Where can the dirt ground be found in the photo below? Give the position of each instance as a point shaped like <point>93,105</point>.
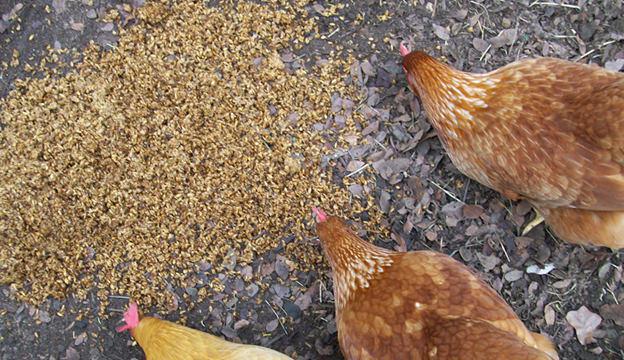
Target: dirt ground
<point>462,218</point>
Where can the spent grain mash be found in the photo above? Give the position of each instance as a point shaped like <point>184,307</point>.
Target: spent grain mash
<point>188,141</point>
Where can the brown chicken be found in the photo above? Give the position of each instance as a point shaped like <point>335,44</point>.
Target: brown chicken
<point>546,130</point>
<point>418,305</point>
<point>164,340</point>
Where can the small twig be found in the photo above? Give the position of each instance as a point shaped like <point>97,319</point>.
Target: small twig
<point>380,144</point>
<point>544,3</point>
<point>117,310</point>
<point>362,168</point>
<point>119,297</point>
<point>485,52</point>
<point>332,33</point>
<point>276,316</point>
<point>435,7</point>
<point>446,191</point>
<point>585,55</point>
<point>466,190</point>
<point>504,250</point>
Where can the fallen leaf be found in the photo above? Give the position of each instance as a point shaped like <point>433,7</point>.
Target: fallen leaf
<point>272,325</point>
<point>76,26</point>
<point>480,44</point>
<point>354,165</point>
<point>613,312</point>
<point>324,350</point>
<point>356,190</point>
<point>549,315</point>
<point>384,201</point>
<point>371,128</point>
<point>472,211</point>
<point>305,300</point>
<point>59,6</point>
<point>513,275</point>
<point>562,284</point>
<point>506,37</point>
<point>240,324</point>
<point>585,323</point>
<point>615,65</point>
<point>535,269</point>
<point>367,68</point>
<point>488,262</point>
<point>107,27</point>
<point>441,32</point>
<point>80,339</point>
<point>71,354</point>
<point>44,316</point>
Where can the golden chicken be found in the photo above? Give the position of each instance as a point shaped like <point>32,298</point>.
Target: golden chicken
<point>546,130</point>
<point>164,340</point>
<point>418,305</point>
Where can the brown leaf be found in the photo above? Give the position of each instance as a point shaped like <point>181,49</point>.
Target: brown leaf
<point>549,315</point>
<point>367,68</point>
<point>272,325</point>
<point>513,275</point>
<point>371,128</point>
<point>80,339</point>
<point>240,324</point>
<point>384,201</point>
<point>488,262</point>
<point>506,37</point>
<point>305,300</point>
<point>354,165</point>
<point>472,211</point>
<point>441,32</point>
<point>613,312</point>
<point>71,354</point>
<point>480,44</point>
<point>615,65</point>
<point>107,27</point>
<point>356,190</point>
<point>585,323</point>
<point>59,6</point>
<point>76,26</point>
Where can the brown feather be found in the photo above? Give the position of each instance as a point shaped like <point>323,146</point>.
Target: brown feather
<point>408,302</point>
<point>546,130</point>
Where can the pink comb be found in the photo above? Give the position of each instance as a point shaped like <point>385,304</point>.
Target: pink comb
<point>131,317</point>
<point>321,216</point>
<point>404,50</point>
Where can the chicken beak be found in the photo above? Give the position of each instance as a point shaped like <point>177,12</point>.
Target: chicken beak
<point>403,50</point>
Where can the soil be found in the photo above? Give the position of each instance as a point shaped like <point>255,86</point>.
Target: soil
<point>463,219</point>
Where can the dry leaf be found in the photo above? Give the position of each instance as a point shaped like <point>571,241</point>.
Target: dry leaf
<point>488,262</point>
<point>615,65</point>
<point>59,6</point>
<point>613,312</point>
<point>76,26</point>
<point>535,269</point>
<point>585,323</point>
<point>354,165</point>
<point>441,32</point>
<point>549,315</point>
<point>506,37</point>
<point>367,68</point>
<point>480,44</point>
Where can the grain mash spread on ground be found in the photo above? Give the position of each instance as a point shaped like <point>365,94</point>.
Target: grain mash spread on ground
<point>187,141</point>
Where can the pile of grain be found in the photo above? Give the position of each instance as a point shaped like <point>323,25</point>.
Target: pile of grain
<point>187,141</point>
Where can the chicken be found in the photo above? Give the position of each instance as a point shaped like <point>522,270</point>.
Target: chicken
<point>546,130</point>
<point>164,340</point>
<point>417,305</point>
